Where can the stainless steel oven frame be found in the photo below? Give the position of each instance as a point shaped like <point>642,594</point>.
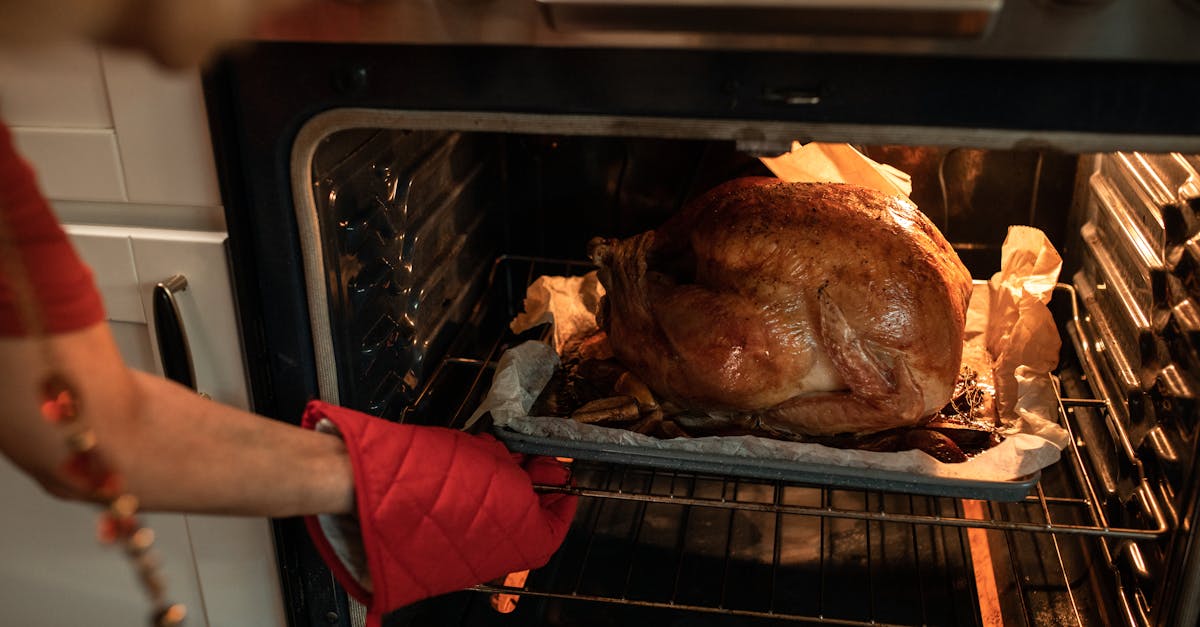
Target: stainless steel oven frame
<point>269,104</point>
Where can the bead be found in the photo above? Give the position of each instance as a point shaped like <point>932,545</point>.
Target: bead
<point>147,564</point>
<point>89,469</point>
<point>109,488</point>
<point>170,617</point>
<point>112,528</point>
<point>59,404</point>
<point>153,583</point>
<point>140,541</point>
<point>118,523</point>
<point>124,506</point>
<point>82,440</point>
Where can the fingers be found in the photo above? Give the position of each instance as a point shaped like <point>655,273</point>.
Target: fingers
<point>494,447</point>
<point>559,509</point>
<point>546,470</point>
<point>183,34</point>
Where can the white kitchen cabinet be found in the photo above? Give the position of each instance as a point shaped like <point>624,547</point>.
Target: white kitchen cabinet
<point>106,126</point>
<point>74,163</point>
<point>129,262</point>
<point>53,572</point>
<point>159,116</point>
<point>60,86</point>
<point>108,252</point>
<point>122,150</point>
<point>206,306</point>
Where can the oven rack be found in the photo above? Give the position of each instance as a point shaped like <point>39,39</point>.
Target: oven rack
<point>607,562</point>
<point>1066,501</point>
<point>779,566</point>
<point>799,568</point>
<point>1039,551</point>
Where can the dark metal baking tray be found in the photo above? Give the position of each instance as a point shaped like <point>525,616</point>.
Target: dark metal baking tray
<point>825,475</point>
<point>772,469</point>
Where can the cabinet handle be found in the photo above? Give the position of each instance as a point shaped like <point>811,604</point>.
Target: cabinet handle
<point>173,346</point>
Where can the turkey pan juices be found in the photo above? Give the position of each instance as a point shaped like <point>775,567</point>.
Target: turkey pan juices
<point>821,323</point>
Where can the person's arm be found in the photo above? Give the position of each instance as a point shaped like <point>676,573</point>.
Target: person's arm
<point>176,450</point>
<point>454,508</point>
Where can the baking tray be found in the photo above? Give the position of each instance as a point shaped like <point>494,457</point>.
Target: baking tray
<point>511,275</point>
<point>771,469</point>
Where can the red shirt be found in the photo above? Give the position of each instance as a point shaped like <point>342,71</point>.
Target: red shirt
<point>65,297</point>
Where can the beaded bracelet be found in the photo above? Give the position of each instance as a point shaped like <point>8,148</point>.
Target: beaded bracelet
<point>86,465</point>
<point>119,522</point>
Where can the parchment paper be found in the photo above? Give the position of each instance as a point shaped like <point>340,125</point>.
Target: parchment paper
<point>1011,340</point>
<point>818,162</point>
<point>1022,339</point>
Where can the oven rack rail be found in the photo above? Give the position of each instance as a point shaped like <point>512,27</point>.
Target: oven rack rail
<point>933,580</point>
<point>904,573</point>
<point>1069,505</point>
<point>514,593</point>
<point>615,542</point>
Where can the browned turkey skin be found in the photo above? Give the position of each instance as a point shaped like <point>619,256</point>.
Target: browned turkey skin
<point>807,308</point>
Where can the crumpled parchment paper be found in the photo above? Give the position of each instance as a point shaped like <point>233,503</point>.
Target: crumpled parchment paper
<point>1022,339</point>
<point>576,300</point>
<point>1011,340</point>
<point>819,162</point>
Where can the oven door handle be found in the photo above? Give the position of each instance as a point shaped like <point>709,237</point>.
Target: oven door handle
<point>173,348</point>
<point>874,18</point>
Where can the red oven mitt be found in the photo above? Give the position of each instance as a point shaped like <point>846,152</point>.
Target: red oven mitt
<point>438,510</point>
<point>38,251</point>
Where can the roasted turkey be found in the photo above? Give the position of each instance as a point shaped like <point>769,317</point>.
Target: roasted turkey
<point>804,308</point>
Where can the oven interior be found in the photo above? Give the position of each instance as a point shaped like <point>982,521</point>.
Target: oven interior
<point>427,239</point>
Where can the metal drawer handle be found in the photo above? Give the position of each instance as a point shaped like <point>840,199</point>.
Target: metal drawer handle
<point>173,346</point>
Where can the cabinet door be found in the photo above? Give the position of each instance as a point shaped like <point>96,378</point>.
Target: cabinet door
<point>235,558</point>
<point>53,571</point>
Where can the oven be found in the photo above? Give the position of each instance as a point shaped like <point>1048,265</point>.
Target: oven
<point>396,173</point>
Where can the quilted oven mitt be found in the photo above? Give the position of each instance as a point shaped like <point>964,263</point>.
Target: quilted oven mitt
<point>438,510</point>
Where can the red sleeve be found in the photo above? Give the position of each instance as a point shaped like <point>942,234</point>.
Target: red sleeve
<point>64,294</point>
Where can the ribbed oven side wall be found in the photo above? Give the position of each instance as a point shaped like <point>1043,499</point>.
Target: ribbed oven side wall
<point>1134,214</point>
<point>407,232</point>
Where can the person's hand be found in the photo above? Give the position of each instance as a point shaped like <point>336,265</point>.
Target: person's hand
<point>177,33</point>
<point>183,34</point>
<point>438,509</point>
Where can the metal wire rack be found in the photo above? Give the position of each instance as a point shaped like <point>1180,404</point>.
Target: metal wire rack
<point>788,551</point>
<point>789,567</point>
